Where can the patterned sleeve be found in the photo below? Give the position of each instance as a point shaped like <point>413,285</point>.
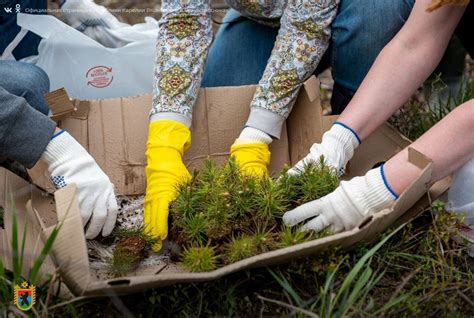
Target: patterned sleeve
<point>302,40</point>
<point>184,36</point>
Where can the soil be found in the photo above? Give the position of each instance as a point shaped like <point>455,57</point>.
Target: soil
<point>101,250</point>
<point>133,247</point>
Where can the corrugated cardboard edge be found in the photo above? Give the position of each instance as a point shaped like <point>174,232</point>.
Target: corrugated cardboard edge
<point>14,195</point>
<point>59,103</point>
<point>69,250</point>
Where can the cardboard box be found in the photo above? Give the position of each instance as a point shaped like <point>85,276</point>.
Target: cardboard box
<point>114,131</point>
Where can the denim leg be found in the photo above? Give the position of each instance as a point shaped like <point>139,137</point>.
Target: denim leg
<point>239,53</point>
<point>25,80</point>
<point>360,31</point>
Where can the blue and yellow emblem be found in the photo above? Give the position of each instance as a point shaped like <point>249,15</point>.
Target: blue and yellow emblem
<point>24,297</point>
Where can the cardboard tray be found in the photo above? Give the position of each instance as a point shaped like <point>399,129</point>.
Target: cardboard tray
<point>118,145</point>
<point>42,214</point>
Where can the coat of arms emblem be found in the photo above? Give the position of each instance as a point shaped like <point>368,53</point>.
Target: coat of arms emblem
<point>24,297</point>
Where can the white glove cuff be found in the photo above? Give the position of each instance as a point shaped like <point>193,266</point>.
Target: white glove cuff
<point>370,193</point>
<point>342,140</point>
<point>250,135</point>
<point>60,149</point>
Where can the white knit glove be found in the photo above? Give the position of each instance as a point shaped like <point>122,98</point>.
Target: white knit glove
<point>337,147</point>
<point>250,135</point>
<point>68,162</point>
<point>93,20</point>
<point>347,206</point>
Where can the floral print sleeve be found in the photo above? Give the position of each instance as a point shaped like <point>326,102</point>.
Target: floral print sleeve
<point>185,34</point>
<point>302,40</point>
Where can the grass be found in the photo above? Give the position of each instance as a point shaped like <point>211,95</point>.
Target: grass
<point>238,216</point>
<point>8,279</point>
<point>421,112</point>
<point>415,270</point>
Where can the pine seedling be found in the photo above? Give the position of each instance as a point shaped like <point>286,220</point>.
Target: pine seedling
<point>199,259</point>
<point>210,173</point>
<point>244,246</point>
<point>134,244</point>
<point>241,197</point>
<point>270,200</point>
<point>315,181</point>
<point>125,259</point>
<point>264,239</point>
<point>135,231</point>
<point>186,201</point>
<point>289,183</point>
<point>218,221</point>
<point>292,235</point>
<point>195,229</point>
<point>219,205</point>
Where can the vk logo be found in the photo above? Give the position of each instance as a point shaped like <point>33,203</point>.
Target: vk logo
<point>8,10</point>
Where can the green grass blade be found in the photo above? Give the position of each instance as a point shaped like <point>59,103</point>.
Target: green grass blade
<point>358,267</point>
<point>287,286</point>
<point>326,299</point>
<point>23,243</point>
<point>4,287</point>
<point>356,291</point>
<point>44,252</point>
<point>15,250</point>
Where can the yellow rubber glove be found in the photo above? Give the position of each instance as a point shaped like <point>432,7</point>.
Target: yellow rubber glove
<point>252,158</point>
<point>167,141</point>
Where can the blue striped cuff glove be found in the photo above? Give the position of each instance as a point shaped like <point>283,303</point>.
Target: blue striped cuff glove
<point>337,147</point>
<point>347,206</point>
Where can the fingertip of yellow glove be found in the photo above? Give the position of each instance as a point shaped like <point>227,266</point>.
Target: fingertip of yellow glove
<point>157,246</point>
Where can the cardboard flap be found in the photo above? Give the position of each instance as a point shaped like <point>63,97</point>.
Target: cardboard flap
<point>311,87</point>
<point>74,266</point>
<point>417,158</point>
<point>59,103</point>
<point>16,193</point>
<point>419,187</point>
<point>304,123</point>
<point>81,110</point>
<point>4,257</point>
<point>39,174</point>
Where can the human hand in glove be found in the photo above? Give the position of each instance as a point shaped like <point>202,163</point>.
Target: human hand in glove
<point>167,142</point>
<point>347,206</point>
<point>92,20</point>
<point>68,162</point>
<point>337,147</point>
<point>251,152</point>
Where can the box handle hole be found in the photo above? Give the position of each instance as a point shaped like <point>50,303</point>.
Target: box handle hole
<point>365,222</point>
<point>119,282</point>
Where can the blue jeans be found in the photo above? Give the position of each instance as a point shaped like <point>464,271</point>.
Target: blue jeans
<point>361,29</point>
<point>25,80</point>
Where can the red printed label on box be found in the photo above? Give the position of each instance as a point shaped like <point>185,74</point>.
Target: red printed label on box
<point>99,76</point>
